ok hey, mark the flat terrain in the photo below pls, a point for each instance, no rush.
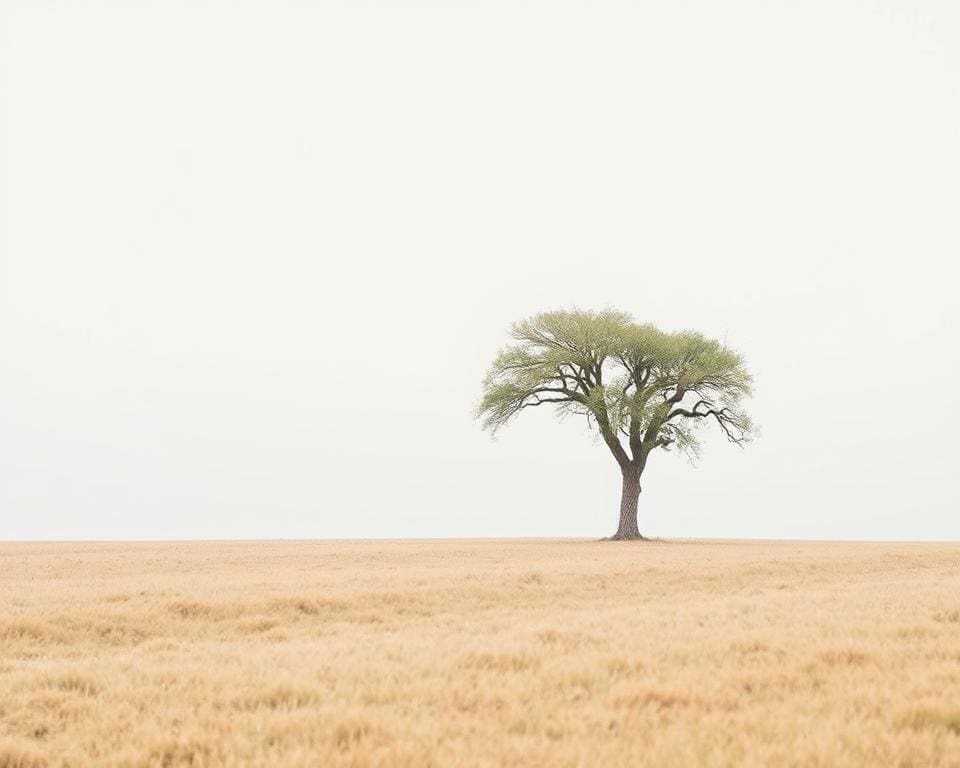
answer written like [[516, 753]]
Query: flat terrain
[[454, 653]]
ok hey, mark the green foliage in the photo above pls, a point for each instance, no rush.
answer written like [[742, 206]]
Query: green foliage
[[640, 387]]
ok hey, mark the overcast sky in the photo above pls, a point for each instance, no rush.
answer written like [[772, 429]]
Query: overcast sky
[[256, 256]]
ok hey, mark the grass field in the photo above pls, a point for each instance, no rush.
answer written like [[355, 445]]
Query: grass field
[[451, 653]]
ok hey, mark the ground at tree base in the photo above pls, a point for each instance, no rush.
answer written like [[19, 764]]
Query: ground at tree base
[[487, 653]]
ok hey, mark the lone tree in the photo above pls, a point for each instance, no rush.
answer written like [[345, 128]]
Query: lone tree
[[641, 388]]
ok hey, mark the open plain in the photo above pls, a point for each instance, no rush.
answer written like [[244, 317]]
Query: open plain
[[446, 653]]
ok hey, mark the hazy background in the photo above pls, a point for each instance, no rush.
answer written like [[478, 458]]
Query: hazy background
[[255, 257]]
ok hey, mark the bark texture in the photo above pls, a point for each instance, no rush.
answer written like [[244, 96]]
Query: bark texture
[[629, 500]]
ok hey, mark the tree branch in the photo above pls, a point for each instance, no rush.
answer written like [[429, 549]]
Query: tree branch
[[538, 401], [722, 416]]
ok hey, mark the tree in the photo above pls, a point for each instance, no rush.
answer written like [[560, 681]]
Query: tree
[[639, 387]]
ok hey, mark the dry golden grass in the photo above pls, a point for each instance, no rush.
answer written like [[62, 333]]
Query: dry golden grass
[[479, 653]]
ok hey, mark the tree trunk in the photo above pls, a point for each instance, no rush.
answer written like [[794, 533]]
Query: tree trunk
[[629, 498]]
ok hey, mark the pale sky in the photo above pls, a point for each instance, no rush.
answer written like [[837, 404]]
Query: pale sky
[[256, 256]]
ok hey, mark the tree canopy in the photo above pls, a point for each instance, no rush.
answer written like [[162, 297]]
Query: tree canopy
[[640, 387]]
